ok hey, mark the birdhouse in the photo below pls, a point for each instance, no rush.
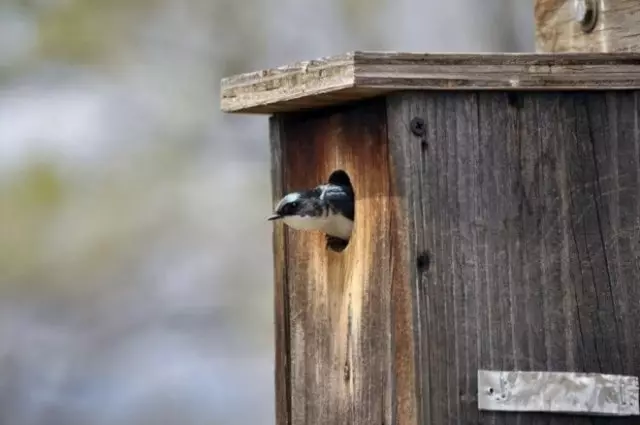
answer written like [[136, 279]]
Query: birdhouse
[[493, 273]]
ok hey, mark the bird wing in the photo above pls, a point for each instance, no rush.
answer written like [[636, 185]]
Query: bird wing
[[341, 198]]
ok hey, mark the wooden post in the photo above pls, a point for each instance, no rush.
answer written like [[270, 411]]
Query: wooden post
[[497, 231], [587, 25]]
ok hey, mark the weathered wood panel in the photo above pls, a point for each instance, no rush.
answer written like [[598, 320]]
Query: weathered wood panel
[[345, 338], [563, 25], [358, 75], [527, 206]]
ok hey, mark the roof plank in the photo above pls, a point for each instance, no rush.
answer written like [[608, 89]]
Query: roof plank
[[357, 75]]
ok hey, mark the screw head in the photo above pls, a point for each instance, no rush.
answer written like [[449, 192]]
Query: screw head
[[417, 126], [585, 12]]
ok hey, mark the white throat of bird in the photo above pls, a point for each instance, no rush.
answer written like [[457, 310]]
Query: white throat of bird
[[333, 224]]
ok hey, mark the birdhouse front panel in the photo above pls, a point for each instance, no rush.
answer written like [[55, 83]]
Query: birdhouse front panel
[[341, 307]]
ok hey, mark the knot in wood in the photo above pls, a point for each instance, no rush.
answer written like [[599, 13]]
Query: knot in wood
[[417, 126]]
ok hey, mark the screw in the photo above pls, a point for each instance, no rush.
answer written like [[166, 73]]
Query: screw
[[417, 126], [585, 12]]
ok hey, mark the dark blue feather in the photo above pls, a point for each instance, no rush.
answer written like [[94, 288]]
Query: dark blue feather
[[341, 198]]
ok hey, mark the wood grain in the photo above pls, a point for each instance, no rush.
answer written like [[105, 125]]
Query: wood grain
[[346, 344], [282, 311], [528, 207], [360, 75], [617, 28]]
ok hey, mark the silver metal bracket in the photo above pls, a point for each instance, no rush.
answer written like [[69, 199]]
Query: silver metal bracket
[[559, 392]]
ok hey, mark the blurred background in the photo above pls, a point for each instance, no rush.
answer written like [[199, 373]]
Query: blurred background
[[135, 259]]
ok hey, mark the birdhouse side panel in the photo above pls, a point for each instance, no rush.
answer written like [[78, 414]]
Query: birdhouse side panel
[[526, 207]]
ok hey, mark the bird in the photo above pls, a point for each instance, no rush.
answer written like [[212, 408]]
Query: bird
[[328, 208]]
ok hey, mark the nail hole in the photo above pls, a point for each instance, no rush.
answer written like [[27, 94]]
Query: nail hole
[[424, 145], [423, 262], [514, 100], [341, 178], [490, 390]]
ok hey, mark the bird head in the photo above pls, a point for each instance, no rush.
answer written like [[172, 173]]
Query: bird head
[[327, 208], [300, 204]]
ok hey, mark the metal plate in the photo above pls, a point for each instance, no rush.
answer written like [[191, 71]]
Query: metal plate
[[559, 392]]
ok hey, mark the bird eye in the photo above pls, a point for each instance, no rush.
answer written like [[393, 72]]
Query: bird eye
[[294, 204]]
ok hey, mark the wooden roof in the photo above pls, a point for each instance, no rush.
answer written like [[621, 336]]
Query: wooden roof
[[358, 75]]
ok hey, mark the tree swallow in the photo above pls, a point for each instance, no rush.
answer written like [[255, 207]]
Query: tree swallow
[[328, 208]]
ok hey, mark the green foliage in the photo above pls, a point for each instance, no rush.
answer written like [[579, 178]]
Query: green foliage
[[28, 201], [89, 31], [41, 187]]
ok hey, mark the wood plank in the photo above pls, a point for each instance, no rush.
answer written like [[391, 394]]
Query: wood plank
[[350, 314], [558, 392], [406, 153], [282, 311], [359, 75], [529, 214], [616, 28]]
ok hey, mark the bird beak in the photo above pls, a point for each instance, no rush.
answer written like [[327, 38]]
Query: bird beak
[[274, 217]]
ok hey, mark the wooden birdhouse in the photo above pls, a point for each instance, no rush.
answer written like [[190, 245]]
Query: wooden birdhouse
[[493, 274]]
